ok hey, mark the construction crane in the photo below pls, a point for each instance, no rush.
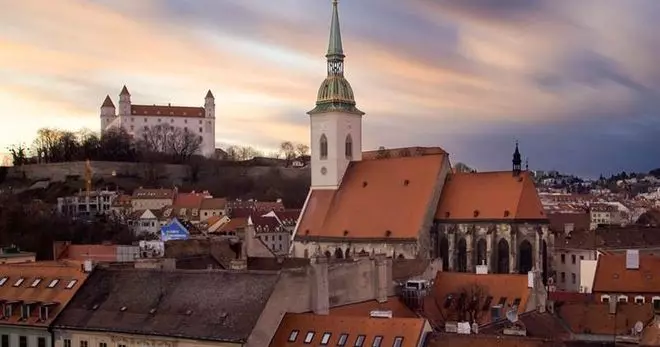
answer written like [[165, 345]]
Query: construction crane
[[88, 177]]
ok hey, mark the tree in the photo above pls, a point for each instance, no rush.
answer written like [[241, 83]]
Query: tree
[[177, 143], [18, 155], [302, 149], [46, 143], [288, 151], [470, 298]]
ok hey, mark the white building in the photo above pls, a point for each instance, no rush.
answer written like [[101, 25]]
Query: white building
[[134, 118], [83, 205]]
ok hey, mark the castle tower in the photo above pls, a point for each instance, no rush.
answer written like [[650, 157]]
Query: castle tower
[[107, 112], [124, 102], [208, 142], [336, 122]]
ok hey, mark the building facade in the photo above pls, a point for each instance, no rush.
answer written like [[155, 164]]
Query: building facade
[[83, 205], [135, 118]]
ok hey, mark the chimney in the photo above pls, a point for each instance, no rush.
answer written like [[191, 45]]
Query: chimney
[[320, 286], [383, 276], [613, 303]]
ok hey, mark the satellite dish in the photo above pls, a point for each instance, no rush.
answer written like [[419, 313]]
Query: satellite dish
[[512, 315], [639, 326]]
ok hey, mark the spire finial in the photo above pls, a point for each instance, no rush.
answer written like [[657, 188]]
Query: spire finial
[[335, 48]]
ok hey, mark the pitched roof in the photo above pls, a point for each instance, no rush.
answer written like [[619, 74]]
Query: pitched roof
[[363, 309], [594, 318], [167, 111], [43, 284], [537, 324], [402, 152], [500, 288], [612, 276], [410, 329], [266, 206], [490, 196], [214, 204], [558, 220], [124, 91], [288, 217], [404, 189], [442, 340], [142, 193], [265, 224], [233, 225], [211, 305], [107, 102], [188, 200]]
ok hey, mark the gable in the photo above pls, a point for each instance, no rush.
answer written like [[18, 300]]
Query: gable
[[147, 214], [376, 199]]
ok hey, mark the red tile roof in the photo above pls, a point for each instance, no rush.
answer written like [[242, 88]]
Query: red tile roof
[[188, 200], [167, 111], [306, 324], [612, 276], [404, 189], [363, 309], [44, 284], [490, 196], [214, 204], [594, 318]]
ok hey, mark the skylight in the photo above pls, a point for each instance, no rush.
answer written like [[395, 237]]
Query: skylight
[[309, 337], [19, 282], [360, 341], [377, 341], [342, 340], [53, 283], [398, 341], [35, 282], [3, 280], [325, 339], [293, 336], [71, 284]]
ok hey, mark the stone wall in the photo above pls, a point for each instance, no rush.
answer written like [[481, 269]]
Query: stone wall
[[100, 169]]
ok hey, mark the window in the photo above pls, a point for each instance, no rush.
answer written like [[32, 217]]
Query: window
[[5, 341], [377, 341], [605, 298], [103, 344], [293, 336], [573, 277], [563, 258], [323, 144], [309, 337], [325, 339], [342, 340], [19, 282], [41, 342], [349, 147], [398, 341], [360, 341], [71, 284], [3, 280], [572, 258], [639, 300], [83, 343], [22, 341], [581, 257], [35, 282], [563, 277], [53, 283], [67, 342], [622, 299]]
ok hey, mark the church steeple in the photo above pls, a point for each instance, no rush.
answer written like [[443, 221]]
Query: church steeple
[[335, 93], [517, 161]]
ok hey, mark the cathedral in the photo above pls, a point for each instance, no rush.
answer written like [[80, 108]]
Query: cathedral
[[135, 118], [409, 202]]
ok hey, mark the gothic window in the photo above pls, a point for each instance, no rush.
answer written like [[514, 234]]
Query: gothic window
[[349, 147], [324, 147]]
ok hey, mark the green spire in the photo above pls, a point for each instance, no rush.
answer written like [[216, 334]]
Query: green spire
[[335, 48]]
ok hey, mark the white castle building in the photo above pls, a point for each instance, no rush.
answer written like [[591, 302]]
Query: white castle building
[[134, 118]]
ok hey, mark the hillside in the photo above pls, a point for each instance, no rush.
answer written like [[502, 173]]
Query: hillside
[[223, 179]]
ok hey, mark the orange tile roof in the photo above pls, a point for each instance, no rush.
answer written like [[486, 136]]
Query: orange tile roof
[[102, 253], [233, 225], [490, 196], [188, 200], [214, 204], [612, 276], [410, 329], [403, 189], [402, 152], [362, 309], [167, 111], [594, 318], [445, 340], [44, 284], [496, 286]]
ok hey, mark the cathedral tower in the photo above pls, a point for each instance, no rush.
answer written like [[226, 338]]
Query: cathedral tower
[[336, 123], [517, 161]]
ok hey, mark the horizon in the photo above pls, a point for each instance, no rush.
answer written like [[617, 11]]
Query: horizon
[[556, 75]]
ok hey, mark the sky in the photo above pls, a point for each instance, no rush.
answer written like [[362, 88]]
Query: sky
[[576, 82]]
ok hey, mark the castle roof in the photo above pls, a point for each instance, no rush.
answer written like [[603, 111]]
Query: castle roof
[[124, 91], [107, 102], [167, 111]]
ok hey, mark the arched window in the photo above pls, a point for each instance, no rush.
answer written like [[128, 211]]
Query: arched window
[[349, 147], [324, 147]]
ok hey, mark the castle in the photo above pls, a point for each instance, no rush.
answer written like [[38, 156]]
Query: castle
[[135, 118], [408, 202]]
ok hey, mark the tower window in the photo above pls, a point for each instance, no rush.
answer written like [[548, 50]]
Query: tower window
[[349, 147], [324, 147]]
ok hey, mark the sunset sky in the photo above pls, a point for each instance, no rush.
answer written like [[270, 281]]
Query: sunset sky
[[577, 82]]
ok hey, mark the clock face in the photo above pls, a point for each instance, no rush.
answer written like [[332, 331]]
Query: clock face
[[324, 170]]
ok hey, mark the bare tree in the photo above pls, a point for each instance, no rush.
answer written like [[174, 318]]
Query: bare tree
[[471, 298], [179, 143], [19, 154], [302, 149], [288, 151], [45, 144], [247, 153]]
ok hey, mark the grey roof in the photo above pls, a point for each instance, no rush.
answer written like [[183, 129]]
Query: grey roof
[[208, 305]]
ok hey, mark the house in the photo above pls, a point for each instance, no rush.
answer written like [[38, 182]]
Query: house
[[628, 278], [271, 232], [405, 202], [33, 295], [305, 329], [572, 249], [152, 199], [213, 207], [145, 222]]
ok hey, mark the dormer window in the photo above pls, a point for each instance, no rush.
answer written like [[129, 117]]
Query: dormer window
[[25, 311], [7, 310]]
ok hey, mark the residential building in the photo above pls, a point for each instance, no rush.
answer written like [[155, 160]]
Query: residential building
[[495, 218], [572, 247], [305, 329], [628, 278], [145, 222], [288, 218], [86, 205], [137, 118], [33, 295], [271, 232], [213, 207], [152, 199], [14, 255], [606, 214]]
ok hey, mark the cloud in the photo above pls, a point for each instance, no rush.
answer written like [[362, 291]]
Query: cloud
[[576, 82]]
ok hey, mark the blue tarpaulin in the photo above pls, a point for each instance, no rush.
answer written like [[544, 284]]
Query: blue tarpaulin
[[173, 230]]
